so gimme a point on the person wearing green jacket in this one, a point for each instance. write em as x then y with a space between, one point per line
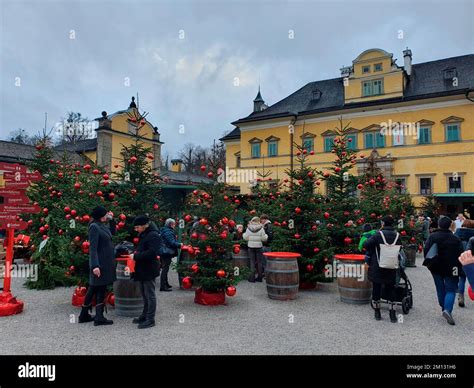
367 233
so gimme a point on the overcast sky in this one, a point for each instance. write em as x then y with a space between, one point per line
183 57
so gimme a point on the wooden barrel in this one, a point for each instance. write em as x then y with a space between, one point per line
128 297
241 259
282 275
410 253
354 286
186 260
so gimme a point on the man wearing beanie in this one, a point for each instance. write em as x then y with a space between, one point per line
445 267
147 268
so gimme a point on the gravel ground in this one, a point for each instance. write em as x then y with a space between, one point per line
250 323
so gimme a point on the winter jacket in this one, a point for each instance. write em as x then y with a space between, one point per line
364 237
255 235
170 242
372 245
101 254
449 249
147 265
464 235
268 228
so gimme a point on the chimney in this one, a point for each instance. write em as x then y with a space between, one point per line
407 60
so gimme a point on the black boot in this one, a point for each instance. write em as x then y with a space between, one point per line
84 316
377 315
148 323
393 315
99 316
140 319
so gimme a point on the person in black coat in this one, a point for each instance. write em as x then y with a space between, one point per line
445 267
170 250
101 264
147 268
382 276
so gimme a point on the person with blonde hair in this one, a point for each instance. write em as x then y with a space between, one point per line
256 236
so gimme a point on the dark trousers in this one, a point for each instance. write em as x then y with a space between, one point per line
98 292
147 287
255 256
165 267
377 291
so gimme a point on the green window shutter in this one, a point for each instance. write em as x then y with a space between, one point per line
308 144
272 148
353 144
255 150
380 140
452 132
369 140
328 143
367 88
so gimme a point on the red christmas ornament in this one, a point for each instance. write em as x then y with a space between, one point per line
111 195
208 250
297 210
42 229
30 222
99 193
346 213
403 233
359 186
226 198
77 185
221 273
136 240
316 250
105 176
223 235
45 211
237 201
203 221
311 152
297 235
72 268
195 268
203 168
194 235
86 218
413 239
121 224
210 174
347 240
60 232
230 291
231 223
326 215
236 249
156 206
195 192
372 182
45 237
122 217
310 174
133 191
187 282
187 218
67 209
326 175
68 217
95 171
87 167
309 268
337 169
77 238
60 175
132 160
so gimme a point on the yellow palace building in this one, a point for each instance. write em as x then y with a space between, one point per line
416 119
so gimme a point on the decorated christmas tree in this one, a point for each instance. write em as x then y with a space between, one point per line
65 195
301 227
342 209
209 239
136 183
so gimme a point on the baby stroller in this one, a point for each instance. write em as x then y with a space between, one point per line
403 290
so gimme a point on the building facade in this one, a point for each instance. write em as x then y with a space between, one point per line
416 119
